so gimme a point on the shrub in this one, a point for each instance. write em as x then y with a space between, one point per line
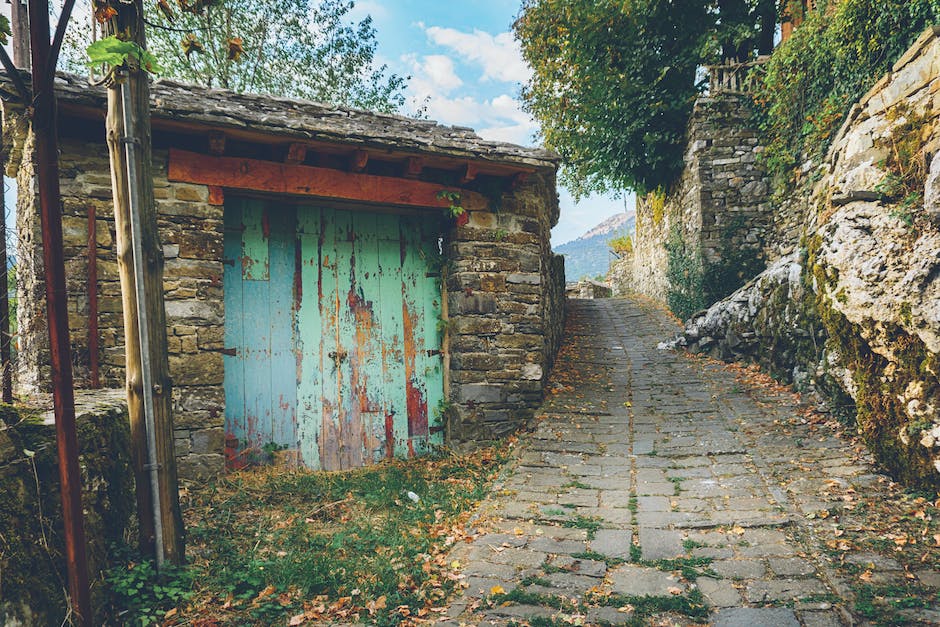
832 60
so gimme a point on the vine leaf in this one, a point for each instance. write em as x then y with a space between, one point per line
191 44
235 48
115 52
5 31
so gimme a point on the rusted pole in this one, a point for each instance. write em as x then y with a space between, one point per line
93 378
45 133
6 364
19 24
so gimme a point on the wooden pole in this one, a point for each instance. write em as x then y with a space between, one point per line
19 24
129 20
45 133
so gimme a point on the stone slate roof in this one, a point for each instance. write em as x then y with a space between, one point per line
303 120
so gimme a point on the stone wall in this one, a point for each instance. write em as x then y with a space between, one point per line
505 299
854 311
191 234
32 588
506 311
704 238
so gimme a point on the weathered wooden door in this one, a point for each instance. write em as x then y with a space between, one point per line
333 318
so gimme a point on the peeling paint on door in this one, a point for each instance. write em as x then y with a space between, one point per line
337 357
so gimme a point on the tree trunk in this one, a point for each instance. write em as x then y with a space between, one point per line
130 20
767 15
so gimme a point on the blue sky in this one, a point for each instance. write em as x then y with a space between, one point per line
466 70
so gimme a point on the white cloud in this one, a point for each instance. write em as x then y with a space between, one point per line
499 55
432 74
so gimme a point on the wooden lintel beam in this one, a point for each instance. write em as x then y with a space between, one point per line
414 166
216 143
301 180
469 173
359 161
296 153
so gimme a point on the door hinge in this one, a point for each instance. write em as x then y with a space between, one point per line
231 352
432 353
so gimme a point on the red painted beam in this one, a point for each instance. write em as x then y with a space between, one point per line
301 180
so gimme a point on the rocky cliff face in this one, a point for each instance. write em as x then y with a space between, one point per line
855 310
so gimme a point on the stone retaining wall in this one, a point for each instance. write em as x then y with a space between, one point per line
704 238
31 542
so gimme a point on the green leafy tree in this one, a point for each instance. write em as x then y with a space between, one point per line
293 48
614 81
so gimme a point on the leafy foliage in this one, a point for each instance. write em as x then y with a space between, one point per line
141 596
291 48
114 52
614 82
295 48
833 58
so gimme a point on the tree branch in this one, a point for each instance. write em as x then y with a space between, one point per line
14 75
60 27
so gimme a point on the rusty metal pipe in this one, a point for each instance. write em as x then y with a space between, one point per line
46 158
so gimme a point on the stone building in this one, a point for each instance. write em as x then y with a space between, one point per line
320 294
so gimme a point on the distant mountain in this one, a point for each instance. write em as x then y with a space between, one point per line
589 256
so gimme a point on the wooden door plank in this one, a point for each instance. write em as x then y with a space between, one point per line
309 337
393 360
330 431
255 254
257 331
433 307
234 364
282 221
351 431
413 270
366 358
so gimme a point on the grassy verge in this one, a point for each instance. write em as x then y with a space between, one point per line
269 546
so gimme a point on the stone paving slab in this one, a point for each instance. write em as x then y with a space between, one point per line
652 474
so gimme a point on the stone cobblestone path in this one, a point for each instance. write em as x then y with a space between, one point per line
656 488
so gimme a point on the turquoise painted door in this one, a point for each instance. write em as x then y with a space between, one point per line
333 349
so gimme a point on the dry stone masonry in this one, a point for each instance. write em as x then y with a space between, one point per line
704 238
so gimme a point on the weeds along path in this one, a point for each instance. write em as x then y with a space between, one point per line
662 488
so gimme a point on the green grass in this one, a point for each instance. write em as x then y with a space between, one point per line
599 557
521 597
270 539
692 605
690 567
591 524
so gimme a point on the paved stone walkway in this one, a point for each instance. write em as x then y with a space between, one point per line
653 474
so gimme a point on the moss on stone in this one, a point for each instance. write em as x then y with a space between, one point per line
32 544
880 384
